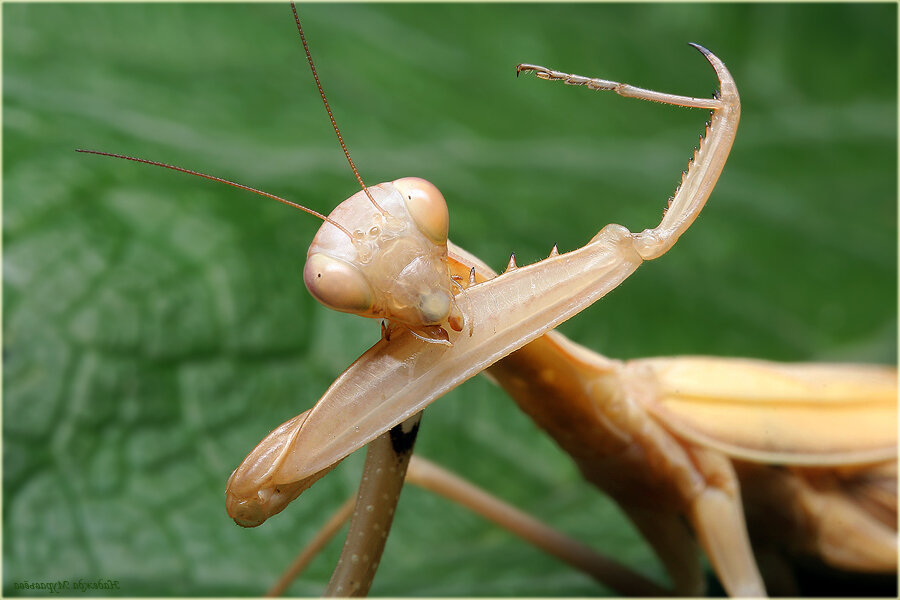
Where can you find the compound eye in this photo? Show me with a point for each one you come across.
(427, 207)
(337, 284)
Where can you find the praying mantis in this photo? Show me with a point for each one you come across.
(616, 335)
(739, 423)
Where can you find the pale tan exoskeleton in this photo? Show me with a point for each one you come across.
(395, 267)
(615, 238)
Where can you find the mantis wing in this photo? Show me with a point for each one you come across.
(760, 411)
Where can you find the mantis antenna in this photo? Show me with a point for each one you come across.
(225, 181)
(312, 66)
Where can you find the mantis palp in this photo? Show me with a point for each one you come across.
(732, 294)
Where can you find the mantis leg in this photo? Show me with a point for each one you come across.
(673, 543)
(717, 515)
(605, 570)
(324, 535)
(438, 480)
(382, 481)
(840, 517)
(708, 161)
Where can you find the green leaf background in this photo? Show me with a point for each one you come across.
(156, 326)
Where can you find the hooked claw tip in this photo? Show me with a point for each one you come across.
(526, 67)
(703, 50)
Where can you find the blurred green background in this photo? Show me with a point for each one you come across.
(156, 326)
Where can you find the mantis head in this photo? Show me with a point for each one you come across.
(393, 263)
(382, 253)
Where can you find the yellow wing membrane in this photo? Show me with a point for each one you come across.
(755, 410)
